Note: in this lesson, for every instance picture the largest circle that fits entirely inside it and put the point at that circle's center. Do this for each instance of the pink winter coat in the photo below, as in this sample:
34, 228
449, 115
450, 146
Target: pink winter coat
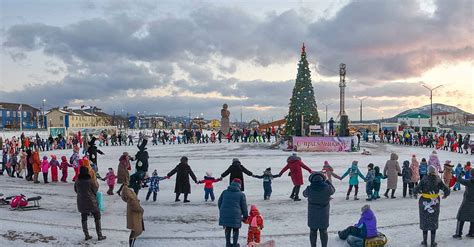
415, 170
44, 166
434, 161
110, 178
295, 165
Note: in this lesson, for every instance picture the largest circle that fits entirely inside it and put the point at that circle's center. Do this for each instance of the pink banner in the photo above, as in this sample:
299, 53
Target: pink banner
322, 144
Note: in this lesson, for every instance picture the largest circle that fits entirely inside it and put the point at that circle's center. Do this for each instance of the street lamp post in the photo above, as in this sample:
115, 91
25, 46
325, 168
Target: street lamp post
42, 119
361, 99
326, 106
431, 103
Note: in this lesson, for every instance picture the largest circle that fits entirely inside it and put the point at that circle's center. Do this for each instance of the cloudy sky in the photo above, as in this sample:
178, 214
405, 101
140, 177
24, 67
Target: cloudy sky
175, 57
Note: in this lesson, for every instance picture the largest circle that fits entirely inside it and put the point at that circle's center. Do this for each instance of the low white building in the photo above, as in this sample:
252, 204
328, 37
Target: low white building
449, 118
414, 120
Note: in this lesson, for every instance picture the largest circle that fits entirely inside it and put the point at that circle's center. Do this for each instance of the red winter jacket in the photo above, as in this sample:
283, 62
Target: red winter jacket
208, 182
295, 165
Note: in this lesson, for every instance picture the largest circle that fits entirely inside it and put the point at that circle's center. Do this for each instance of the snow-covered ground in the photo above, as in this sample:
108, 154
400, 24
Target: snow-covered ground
196, 224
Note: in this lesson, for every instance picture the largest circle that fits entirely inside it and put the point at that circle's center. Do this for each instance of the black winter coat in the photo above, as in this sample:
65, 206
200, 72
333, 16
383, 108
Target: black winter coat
466, 211
86, 190
319, 196
236, 170
183, 171
92, 152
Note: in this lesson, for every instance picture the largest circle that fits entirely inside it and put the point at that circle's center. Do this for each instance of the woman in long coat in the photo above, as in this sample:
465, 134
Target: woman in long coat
36, 165
123, 176
319, 195
392, 171
183, 171
134, 215
232, 206
429, 203
86, 190
237, 170
466, 211
294, 164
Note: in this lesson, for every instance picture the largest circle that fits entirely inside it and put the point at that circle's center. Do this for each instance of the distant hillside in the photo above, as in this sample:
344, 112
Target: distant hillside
436, 108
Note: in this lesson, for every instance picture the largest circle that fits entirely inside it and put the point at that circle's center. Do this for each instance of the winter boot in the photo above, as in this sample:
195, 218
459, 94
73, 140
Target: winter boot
177, 198
356, 198
98, 229
386, 193
425, 239
433, 238
347, 197
393, 194
459, 227
186, 198
86, 231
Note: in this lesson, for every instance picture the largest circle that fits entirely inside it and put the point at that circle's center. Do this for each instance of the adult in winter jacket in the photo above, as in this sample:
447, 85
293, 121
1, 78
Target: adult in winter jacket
406, 178
429, 203
134, 215
183, 171
466, 211
466, 143
29, 165
86, 190
123, 176
365, 228
36, 165
319, 197
294, 164
232, 206
237, 170
392, 171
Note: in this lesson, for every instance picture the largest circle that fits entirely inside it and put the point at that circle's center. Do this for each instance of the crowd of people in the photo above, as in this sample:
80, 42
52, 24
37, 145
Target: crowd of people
424, 179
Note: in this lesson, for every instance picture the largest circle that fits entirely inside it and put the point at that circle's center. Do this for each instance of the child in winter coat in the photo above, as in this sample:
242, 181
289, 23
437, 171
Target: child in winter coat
267, 182
64, 166
354, 175
45, 168
154, 186
458, 172
208, 182
110, 178
467, 170
364, 229
54, 163
415, 171
369, 185
23, 162
378, 176
447, 173
434, 161
328, 171
74, 162
423, 168
255, 221
406, 177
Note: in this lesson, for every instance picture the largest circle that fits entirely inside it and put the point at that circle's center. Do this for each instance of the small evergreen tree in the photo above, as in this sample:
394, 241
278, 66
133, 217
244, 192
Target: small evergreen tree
302, 101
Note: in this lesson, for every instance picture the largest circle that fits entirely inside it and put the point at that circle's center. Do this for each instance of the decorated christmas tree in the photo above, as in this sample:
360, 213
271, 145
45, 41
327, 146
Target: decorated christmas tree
302, 102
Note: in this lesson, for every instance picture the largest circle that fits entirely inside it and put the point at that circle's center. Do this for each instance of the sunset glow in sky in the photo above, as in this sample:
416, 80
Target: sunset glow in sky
172, 57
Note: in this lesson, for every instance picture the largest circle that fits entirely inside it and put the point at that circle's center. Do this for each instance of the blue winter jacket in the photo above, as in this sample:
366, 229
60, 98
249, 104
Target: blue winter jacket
423, 168
354, 175
154, 183
232, 206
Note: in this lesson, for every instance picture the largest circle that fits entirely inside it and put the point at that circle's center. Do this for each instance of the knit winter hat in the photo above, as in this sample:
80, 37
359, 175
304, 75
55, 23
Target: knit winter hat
371, 166
63, 159
268, 169
237, 180
406, 163
355, 162
365, 208
53, 156
235, 160
431, 170
434, 152
326, 163
209, 174
184, 159
45, 157
155, 173
316, 177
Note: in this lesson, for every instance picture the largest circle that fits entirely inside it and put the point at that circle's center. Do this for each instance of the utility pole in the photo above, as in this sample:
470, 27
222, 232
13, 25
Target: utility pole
326, 106
431, 104
241, 121
361, 99
42, 119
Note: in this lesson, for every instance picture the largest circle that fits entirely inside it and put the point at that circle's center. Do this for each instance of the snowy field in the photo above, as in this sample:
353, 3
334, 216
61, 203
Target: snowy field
196, 224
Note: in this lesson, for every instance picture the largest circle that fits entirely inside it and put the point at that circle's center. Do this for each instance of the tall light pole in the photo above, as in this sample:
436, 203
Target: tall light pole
42, 119
326, 106
361, 99
431, 104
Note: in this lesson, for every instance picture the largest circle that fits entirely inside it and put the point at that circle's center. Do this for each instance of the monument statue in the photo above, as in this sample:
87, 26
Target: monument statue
225, 124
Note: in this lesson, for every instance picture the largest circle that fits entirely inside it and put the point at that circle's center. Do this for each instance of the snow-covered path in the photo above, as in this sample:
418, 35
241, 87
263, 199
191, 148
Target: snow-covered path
195, 224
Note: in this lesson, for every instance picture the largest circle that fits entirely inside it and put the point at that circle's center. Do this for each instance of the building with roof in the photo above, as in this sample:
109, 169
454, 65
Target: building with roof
77, 118
18, 116
449, 118
416, 121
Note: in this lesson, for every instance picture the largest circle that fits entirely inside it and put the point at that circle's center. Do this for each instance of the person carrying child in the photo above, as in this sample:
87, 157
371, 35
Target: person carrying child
110, 178
54, 163
255, 222
369, 179
154, 186
64, 166
267, 182
328, 171
354, 174
208, 182
45, 168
